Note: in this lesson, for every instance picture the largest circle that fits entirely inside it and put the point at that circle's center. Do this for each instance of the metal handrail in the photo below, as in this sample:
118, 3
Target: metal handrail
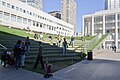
3, 47
73, 57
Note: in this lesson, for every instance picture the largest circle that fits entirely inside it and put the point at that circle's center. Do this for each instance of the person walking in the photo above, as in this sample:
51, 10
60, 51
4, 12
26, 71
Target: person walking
64, 46
39, 57
72, 41
17, 53
27, 45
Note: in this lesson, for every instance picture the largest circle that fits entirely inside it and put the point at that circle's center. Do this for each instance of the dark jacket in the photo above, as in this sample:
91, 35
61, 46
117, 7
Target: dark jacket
40, 53
17, 50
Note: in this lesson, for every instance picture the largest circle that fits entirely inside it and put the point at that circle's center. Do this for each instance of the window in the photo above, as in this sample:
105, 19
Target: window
20, 9
13, 6
17, 8
29, 22
41, 25
109, 25
33, 23
30, 13
33, 14
13, 17
49, 27
52, 28
98, 19
37, 24
1, 14
25, 20
27, 12
110, 17
3, 3
8, 5
19, 19
40, 17
118, 16
24, 11
55, 29
6, 16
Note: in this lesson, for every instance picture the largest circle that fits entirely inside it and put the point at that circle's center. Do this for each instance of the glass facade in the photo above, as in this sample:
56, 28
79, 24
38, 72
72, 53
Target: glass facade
98, 24
87, 25
112, 4
105, 23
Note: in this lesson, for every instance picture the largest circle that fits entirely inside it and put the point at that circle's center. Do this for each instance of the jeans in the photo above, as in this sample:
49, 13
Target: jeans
22, 60
58, 43
72, 43
64, 49
27, 49
18, 61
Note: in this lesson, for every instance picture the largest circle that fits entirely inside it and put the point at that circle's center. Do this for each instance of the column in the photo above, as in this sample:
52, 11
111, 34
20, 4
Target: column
104, 29
116, 31
83, 26
92, 28
103, 24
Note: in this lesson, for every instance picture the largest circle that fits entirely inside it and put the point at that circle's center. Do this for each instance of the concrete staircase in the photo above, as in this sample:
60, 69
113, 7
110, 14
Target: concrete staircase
50, 52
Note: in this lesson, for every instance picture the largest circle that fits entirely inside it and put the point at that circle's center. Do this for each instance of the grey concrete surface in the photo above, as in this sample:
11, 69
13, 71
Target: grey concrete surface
105, 66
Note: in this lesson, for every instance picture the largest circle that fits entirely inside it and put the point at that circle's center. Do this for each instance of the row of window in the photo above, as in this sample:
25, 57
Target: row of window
6, 16
107, 18
30, 13
107, 25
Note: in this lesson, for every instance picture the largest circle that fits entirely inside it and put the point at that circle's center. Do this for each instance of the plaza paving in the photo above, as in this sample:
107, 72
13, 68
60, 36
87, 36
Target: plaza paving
105, 66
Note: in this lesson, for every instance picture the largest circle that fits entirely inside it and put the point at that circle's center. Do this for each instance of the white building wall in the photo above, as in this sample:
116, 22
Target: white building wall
60, 27
112, 25
38, 4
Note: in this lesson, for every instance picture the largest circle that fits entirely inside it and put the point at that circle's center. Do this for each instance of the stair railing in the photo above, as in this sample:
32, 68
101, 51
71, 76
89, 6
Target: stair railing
3, 47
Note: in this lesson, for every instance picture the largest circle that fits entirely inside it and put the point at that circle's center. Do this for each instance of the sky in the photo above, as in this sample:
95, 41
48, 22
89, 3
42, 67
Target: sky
84, 7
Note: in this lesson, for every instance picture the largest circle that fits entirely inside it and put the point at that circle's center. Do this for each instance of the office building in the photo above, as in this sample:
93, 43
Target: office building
17, 14
102, 22
56, 14
68, 12
34, 3
112, 4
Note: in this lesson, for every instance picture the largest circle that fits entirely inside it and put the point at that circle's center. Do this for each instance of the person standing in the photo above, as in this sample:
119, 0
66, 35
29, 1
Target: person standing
48, 71
35, 36
27, 45
17, 53
64, 46
115, 48
41, 36
23, 54
58, 40
39, 57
